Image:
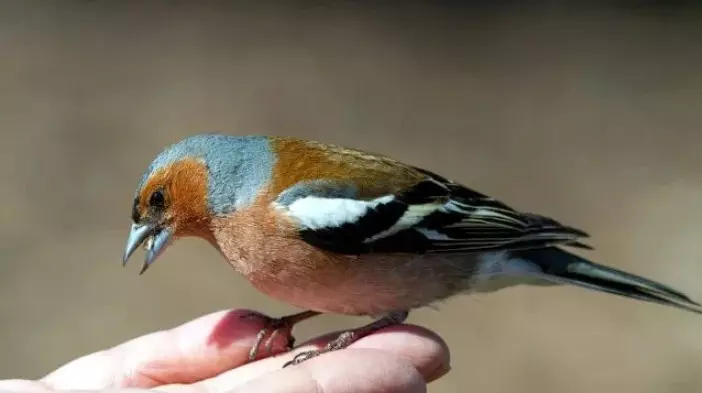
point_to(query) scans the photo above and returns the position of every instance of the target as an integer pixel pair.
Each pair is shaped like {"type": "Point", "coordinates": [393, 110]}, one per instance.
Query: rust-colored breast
{"type": "Point", "coordinates": [374, 174]}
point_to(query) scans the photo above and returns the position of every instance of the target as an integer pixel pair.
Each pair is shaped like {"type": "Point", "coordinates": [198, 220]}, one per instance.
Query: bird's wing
{"type": "Point", "coordinates": [433, 215]}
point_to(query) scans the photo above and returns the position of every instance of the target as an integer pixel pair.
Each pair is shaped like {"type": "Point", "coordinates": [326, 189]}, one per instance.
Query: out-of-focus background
{"type": "Point", "coordinates": [590, 114]}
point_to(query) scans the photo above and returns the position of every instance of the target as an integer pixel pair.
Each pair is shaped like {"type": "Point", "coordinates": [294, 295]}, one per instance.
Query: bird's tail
{"type": "Point", "coordinates": [562, 267]}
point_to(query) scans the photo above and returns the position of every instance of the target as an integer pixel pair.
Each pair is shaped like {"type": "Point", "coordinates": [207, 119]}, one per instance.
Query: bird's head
{"type": "Point", "coordinates": [191, 182]}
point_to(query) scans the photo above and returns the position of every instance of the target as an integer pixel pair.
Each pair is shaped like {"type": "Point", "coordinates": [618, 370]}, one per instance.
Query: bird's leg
{"type": "Point", "coordinates": [349, 337]}
{"type": "Point", "coordinates": [275, 326]}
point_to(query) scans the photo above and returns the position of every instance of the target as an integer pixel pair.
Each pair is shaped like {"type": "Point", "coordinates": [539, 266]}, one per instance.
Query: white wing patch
{"type": "Point", "coordinates": [316, 213]}
{"type": "Point", "coordinates": [319, 213]}
{"type": "Point", "coordinates": [410, 218]}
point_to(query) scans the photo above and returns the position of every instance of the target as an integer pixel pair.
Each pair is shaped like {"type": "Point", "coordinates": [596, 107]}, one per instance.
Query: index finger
{"type": "Point", "coordinates": [196, 350]}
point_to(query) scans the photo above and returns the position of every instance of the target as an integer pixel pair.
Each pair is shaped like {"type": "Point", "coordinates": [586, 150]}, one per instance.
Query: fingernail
{"type": "Point", "coordinates": [439, 372]}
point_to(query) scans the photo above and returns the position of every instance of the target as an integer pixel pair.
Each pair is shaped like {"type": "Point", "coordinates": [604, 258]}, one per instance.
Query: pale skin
{"type": "Point", "coordinates": [210, 355]}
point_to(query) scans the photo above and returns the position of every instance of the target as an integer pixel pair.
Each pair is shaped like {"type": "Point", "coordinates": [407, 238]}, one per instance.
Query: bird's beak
{"type": "Point", "coordinates": [155, 239]}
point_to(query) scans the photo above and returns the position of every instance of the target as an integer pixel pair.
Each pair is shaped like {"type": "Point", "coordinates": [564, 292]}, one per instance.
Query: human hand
{"type": "Point", "coordinates": [210, 353]}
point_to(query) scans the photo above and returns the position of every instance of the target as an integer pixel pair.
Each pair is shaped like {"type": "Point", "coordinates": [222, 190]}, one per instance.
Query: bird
{"type": "Point", "coordinates": [337, 230]}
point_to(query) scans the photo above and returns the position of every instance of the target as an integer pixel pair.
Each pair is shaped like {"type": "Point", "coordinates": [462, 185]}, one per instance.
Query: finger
{"type": "Point", "coordinates": [346, 371]}
{"type": "Point", "coordinates": [197, 350]}
{"type": "Point", "coordinates": [414, 345]}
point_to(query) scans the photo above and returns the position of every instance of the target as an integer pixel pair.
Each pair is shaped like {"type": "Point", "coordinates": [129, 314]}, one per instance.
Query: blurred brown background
{"type": "Point", "coordinates": [591, 115]}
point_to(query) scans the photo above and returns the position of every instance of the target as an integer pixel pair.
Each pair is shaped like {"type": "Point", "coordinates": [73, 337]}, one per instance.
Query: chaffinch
{"type": "Point", "coordinates": [335, 230]}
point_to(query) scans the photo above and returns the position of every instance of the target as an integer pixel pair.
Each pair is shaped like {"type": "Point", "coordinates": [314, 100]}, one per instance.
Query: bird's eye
{"type": "Point", "coordinates": [157, 199]}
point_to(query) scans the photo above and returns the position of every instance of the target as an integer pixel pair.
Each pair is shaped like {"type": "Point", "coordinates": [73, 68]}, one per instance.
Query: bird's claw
{"type": "Point", "coordinates": [271, 330]}
{"type": "Point", "coordinates": [277, 326]}
{"type": "Point", "coordinates": [342, 341]}
{"type": "Point", "coordinates": [302, 356]}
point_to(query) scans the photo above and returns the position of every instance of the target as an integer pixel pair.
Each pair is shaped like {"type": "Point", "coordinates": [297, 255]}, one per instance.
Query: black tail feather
{"type": "Point", "coordinates": [564, 267]}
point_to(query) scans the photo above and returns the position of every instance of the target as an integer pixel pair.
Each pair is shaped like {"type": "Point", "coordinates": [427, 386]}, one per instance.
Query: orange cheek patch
{"type": "Point", "coordinates": [185, 184]}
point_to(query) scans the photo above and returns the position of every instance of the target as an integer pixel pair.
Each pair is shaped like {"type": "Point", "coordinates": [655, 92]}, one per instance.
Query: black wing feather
{"type": "Point", "coordinates": [457, 219]}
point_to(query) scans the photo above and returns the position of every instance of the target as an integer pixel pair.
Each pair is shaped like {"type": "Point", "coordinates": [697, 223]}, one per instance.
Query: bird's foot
{"type": "Point", "coordinates": [342, 341]}
{"type": "Point", "coordinates": [275, 327]}
{"type": "Point", "coordinates": [349, 337]}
